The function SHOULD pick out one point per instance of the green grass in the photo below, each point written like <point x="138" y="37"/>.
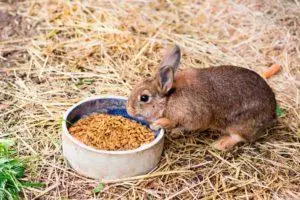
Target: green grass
<point x="278" y="111"/>
<point x="98" y="188"/>
<point x="11" y="171"/>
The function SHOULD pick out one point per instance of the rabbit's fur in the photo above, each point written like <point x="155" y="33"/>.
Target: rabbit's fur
<point x="234" y="100"/>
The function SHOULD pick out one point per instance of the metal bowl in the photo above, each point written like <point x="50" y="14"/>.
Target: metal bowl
<point x="102" y="164"/>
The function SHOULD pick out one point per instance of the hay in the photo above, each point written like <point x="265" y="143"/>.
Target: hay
<point x="72" y="50"/>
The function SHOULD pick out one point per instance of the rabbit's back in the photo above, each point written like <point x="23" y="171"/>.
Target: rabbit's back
<point x="241" y="94"/>
<point x="224" y="94"/>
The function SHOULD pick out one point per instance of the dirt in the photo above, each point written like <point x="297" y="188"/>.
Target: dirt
<point x="109" y="132"/>
<point x="12" y="25"/>
<point x="12" y="28"/>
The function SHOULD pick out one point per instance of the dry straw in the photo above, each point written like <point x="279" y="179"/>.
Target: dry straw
<point x="54" y="53"/>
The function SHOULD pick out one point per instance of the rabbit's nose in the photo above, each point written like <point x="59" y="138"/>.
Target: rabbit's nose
<point x="130" y="111"/>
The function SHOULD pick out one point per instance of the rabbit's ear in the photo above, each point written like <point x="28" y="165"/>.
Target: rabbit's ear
<point x="165" y="78"/>
<point x="172" y="58"/>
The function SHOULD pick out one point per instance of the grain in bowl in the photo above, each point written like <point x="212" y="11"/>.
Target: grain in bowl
<point x="109" y="132"/>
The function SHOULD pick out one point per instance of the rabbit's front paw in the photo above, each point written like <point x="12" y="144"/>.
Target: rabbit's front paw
<point x="155" y="126"/>
<point x="160" y="123"/>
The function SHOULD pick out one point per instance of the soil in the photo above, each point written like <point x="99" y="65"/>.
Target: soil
<point x="12" y="27"/>
<point x="108" y="132"/>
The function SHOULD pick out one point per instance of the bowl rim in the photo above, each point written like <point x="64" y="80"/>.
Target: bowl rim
<point x="84" y="146"/>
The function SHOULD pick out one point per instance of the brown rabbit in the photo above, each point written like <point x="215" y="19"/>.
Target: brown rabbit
<point x="233" y="100"/>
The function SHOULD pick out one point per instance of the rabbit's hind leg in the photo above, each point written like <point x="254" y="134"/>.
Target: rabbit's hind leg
<point x="228" y="141"/>
<point x="241" y="132"/>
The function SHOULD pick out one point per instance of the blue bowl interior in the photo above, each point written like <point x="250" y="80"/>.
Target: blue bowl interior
<point x="111" y="106"/>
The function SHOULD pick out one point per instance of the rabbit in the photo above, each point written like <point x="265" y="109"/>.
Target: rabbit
<point x="233" y="100"/>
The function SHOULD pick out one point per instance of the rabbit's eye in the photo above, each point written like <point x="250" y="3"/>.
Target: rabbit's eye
<point x="144" y="98"/>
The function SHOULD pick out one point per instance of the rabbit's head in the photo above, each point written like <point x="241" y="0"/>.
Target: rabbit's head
<point x="148" y="98"/>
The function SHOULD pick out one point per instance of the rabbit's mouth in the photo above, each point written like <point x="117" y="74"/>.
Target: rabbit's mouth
<point x="131" y="112"/>
<point x="144" y="118"/>
<point x="150" y="119"/>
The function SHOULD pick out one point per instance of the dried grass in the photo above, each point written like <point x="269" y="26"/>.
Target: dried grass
<point x="81" y="49"/>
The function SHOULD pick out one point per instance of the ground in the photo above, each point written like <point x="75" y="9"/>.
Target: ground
<point x="54" y="53"/>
